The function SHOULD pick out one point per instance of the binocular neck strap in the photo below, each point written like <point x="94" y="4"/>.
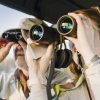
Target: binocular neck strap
<point x="49" y="80"/>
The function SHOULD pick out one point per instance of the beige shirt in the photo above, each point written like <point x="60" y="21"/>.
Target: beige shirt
<point x="76" y="94"/>
<point x="93" y="78"/>
<point x="10" y="88"/>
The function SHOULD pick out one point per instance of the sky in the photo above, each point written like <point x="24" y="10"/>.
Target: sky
<point x="10" y="18"/>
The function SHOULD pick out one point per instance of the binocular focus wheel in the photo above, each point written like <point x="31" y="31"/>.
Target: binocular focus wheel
<point x="63" y="58"/>
<point x="68" y="59"/>
<point x="60" y="57"/>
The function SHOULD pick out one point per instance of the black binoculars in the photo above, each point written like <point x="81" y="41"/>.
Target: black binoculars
<point x="43" y="33"/>
<point x="12" y="35"/>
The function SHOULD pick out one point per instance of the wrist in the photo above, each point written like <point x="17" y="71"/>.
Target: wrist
<point x="87" y="54"/>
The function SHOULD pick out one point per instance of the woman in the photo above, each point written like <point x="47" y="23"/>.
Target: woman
<point x="88" y="23"/>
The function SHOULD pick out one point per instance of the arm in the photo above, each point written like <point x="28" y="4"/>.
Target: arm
<point x="37" y="79"/>
<point x="37" y="69"/>
<point x="82" y="44"/>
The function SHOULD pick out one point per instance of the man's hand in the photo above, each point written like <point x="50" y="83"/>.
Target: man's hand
<point x="5" y="50"/>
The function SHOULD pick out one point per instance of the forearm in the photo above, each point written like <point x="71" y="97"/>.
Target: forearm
<point x="93" y="66"/>
<point x="36" y="86"/>
<point x="93" y="76"/>
<point x="87" y="52"/>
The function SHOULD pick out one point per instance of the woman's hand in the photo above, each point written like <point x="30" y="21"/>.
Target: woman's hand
<point x="38" y="67"/>
<point x="81" y="42"/>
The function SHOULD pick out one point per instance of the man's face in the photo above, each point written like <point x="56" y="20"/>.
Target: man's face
<point x="20" y="57"/>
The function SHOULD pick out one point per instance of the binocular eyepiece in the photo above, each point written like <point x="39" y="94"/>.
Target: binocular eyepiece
<point x="12" y="35"/>
<point x="43" y="33"/>
<point x="66" y="25"/>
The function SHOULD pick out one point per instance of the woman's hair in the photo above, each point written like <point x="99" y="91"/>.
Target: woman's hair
<point x="93" y="14"/>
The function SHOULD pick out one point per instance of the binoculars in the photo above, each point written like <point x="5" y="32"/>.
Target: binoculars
<point x="12" y="35"/>
<point x="67" y="26"/>
<point x="43" y="33"/>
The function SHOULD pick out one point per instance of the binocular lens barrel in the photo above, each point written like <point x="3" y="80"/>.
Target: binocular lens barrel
<point x="36" y="33"/>
<point x="11" y="36"/>
<point x="66" y="25"/>
<point x="18" y="35"/>
<point x="43" y="34"/>
<point x="5" y="35"/>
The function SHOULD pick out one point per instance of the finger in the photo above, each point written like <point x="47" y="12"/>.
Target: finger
<point x="47" y="57"/>
<point x="77" y="18"/>
<point x="73" y="40"/>
<point x="49" y="51"/>
<point x="23" y="45"/>
<point x="4" y="51"/>
<point x="9" y="45"/>
<point x="80" y="25"/>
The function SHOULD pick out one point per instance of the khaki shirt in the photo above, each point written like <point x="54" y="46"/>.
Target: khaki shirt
<point x="10" y="88"/>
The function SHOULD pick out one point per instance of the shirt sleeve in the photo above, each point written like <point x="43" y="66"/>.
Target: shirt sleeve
<point x="93" y="77"/>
